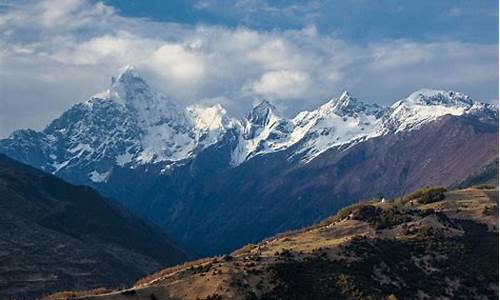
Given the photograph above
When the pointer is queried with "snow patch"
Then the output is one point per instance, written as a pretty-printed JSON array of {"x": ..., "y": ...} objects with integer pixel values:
[
  {"x": 59, "y": 166},
  {"x": 123, "y": 159},
  {"x": 99, "y": 177},
  {"x": 80, "y": 148}
]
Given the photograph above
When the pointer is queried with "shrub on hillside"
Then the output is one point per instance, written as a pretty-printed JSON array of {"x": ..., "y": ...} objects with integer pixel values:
[
  {"x": 343, "y": 213},
  {"x": 381, "y": 218},
  {"x": 426, "y": 195}
]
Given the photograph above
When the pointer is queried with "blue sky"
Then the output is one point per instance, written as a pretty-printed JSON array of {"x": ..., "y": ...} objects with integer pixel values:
[
  {"x": 298, "y": 54},
  {"x": 357, "y": 20}
]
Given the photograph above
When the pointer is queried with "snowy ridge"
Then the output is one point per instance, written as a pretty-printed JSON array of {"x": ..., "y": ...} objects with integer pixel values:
[
  {"x": 347, "y": 120},
  {"x": 424, "y": 106},
  {"x": 131, "y": 124},
  {"x": 334, "y": 123},
  {"x": 262, "y": 131},
  {"x": 337, "y": 122},
  {"x": 210, "y": 123}
]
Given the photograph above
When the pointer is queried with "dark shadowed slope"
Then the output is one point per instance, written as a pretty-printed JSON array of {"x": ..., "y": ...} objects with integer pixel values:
[
  {"x": 488, "y": 175},
  {"x": 57, "y": 236}
]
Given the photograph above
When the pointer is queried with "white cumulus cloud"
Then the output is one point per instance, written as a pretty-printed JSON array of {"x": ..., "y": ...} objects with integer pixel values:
[{"x": 282, "y": 84}]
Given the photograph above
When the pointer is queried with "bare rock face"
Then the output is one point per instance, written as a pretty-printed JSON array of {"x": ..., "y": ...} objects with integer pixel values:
[{"x": 56, "y": 236}]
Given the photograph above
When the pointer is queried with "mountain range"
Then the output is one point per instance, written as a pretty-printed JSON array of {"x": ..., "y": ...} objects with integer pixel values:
[{"x": 216, "y": 182}]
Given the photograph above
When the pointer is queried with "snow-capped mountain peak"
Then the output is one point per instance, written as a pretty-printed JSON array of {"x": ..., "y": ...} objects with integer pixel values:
[
  {"x": 166, "y": 129},
  {"x": 262, "y": 131},
  {"x": 339, "y": 121},
  {"x": 344, "y": 101},
  {"x": 150, "y": 106},
  {"x": 262, "y": 114},
  {"x": 439, "y": 98},
  {"x": 337, "y": 104},
  {"x": 423, "y": 106},
  {"x": 210, "y": 122},
  {"x": 127, "y": 73},
  {"x": 209, "y": 117},
  {"x": 348, "y": 106},
  {"x": 128, "y": 125},
  {"x": 260, "y": 119},
  {"x": 127, "y": 85}
]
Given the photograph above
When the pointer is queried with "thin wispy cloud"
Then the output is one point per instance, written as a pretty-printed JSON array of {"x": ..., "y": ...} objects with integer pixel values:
[{"x": 56, "y": 53}]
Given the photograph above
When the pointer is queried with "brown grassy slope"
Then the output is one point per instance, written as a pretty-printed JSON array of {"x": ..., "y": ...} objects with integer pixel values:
[{"x": 373, "y": 250}]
